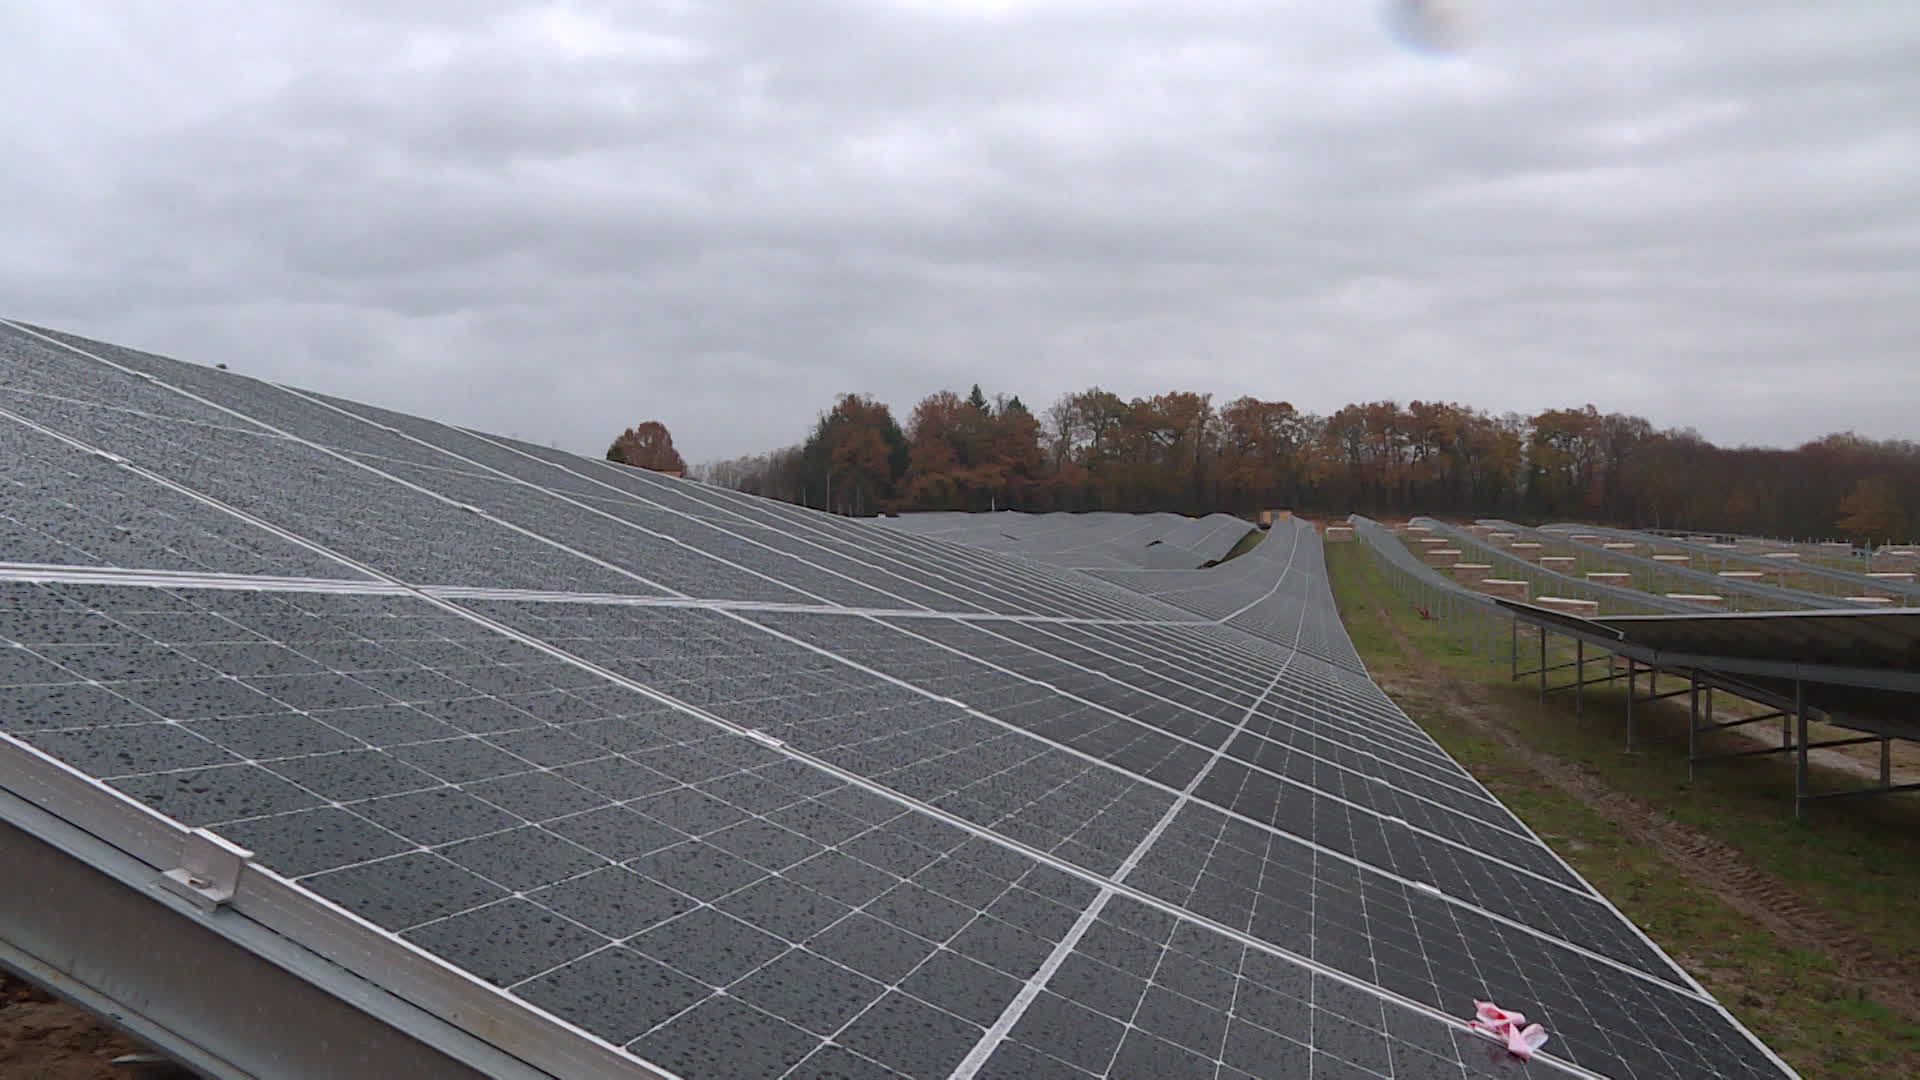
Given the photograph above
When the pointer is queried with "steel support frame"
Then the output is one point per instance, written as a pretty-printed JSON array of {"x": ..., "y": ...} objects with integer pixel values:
[
  {"x": 216, "y": 994},
  {"x": 1578, "y": 666},
  {"x": 1800, "y": 790},
  {"x": 1710, "y": 725},
  {"x": 1554, "y": 688},
  {"x": 1765, "y": 751},
  {"x": 1700, "y": 692},
  {"x": 414, "y": 1014}
]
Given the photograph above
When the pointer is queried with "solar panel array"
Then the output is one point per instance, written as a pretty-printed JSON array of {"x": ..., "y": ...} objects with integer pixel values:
[
  {"x": 1833, "y": 582},
  {"x": 1777, "y": 596},
  {"x": 1088, "y": 541},
  {"x": 743, "y": 789}
]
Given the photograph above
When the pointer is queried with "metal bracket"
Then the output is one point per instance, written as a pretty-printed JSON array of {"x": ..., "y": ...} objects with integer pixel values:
[
  {"x": 763, "y": 737},
  {"x": 209, "y": 870},
  {"x": 110, "y": 457}
]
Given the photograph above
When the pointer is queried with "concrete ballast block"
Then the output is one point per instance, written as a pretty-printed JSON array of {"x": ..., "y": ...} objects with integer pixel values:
[
  {"x": 1708, "y": 600},
  {"x": 1569, "y": 605}
]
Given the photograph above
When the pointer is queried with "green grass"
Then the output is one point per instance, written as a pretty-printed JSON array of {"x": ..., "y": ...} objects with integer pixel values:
[{"x": 1855, "y": 866}]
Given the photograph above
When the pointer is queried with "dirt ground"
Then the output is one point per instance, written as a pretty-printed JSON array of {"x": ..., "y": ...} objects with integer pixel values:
[{"x": 42, "y": 1038}]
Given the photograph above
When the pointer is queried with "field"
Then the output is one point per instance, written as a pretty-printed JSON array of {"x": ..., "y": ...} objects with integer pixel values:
[{"x": 1807, "y": 932}]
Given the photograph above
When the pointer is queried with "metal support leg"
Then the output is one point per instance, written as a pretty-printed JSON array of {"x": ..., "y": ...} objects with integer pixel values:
[
  {"x": 1633, "y": 687},
  {"x": 1579, "y": 678},
  {"x": 1886, "y": 762},
  {"x": 1513, "y": 648},
  {"x": 1543, "y": 664},
  {"x": 1693, "y": 722},
  {"x": 1800, "y": 755}
]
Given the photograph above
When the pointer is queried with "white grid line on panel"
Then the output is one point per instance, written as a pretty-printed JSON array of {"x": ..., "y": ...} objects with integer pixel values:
[
  {"x": 168, "y": 579},
  {"x": 956, "y": 555},
  {"x": 511, "y": 479},
  {"x": 44, "y": 573},
  {"x": 1404, "y": 743},
  {"x": 1303, "y": 842},
  {"x": 1408, "y": 745},
  {"x": 337, "y": 455},
  {"x": 1364, "y": 777},
  {"x": 1017, "y": 1008}
]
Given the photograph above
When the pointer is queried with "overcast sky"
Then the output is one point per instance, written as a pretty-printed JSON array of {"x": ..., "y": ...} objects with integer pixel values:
[{"x": 559, "y": 220}]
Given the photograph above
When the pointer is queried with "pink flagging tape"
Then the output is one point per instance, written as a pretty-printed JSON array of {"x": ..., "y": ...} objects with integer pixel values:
[{"x": 1522, "y": 1038}]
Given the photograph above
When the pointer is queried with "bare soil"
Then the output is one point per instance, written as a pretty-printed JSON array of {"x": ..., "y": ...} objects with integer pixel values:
[{"x": 43, "y": 1038}]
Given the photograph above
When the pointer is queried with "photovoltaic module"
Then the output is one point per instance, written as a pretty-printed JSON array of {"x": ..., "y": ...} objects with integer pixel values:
[{"x": 617, "y": 774}]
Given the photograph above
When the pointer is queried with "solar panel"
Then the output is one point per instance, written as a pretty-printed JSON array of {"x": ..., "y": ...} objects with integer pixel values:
[
  {"x": 1091, "y": 540},
  {"x": 686, "y": 780}
]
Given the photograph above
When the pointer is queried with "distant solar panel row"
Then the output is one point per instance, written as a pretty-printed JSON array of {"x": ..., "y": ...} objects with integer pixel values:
[
  {"x": 1089, "y": 541},
  {"x": 742, "y": 789}
]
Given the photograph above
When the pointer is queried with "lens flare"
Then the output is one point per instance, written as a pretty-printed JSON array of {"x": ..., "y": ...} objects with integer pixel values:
[{"x": 1428, "y": 27}]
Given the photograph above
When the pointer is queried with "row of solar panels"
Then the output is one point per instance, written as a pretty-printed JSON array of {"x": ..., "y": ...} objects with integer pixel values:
[
  {"x": 725, "y": 787},
  {"x": 1543, "y": 581},
  {"x": 1088, "y": 541},
  {"x": 1838, "y": 583},
  {"x": 1783, "y": 597}
]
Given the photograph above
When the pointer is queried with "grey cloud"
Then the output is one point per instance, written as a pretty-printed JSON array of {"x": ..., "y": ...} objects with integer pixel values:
[{"x": 556, "y": 220}]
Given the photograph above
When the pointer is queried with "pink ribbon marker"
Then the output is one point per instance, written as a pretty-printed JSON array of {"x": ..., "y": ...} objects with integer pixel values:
[{"x": 1522, "y": 1038}]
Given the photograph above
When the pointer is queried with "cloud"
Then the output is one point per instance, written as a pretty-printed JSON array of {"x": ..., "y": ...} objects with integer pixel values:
[{"x": 556, "y": 220}]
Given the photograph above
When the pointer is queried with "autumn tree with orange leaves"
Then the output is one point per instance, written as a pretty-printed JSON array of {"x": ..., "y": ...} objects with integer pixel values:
[{"x": 647, "y": 446}]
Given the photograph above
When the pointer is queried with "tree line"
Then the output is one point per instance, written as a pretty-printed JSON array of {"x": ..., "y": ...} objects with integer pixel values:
[{"x": 1177, "y": 451}]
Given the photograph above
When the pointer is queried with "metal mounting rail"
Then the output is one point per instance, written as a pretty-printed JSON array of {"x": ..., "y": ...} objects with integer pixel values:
[{"x": 233, "y": 970}]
